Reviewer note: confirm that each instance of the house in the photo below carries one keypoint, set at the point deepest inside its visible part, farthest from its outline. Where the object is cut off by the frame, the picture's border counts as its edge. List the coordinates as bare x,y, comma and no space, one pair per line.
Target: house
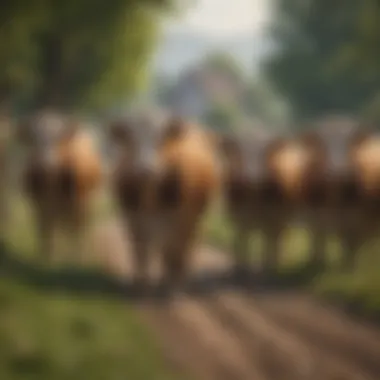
200,87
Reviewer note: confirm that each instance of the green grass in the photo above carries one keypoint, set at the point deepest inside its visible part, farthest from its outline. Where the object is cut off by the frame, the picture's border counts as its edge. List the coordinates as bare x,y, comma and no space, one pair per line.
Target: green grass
74,331
360,290
64,337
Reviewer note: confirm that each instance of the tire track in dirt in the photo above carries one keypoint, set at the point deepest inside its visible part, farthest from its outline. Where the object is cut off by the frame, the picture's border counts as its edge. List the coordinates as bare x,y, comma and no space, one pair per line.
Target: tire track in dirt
299,358
210,342
179,346
325,328
276,355
230,335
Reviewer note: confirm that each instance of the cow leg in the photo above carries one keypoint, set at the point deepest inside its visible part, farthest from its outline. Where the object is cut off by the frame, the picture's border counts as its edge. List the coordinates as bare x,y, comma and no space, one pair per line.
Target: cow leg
176,261
140,256
272,239
174,266
140,264
318,245
45,224
176,253
351,242
74,222
241,252
79,239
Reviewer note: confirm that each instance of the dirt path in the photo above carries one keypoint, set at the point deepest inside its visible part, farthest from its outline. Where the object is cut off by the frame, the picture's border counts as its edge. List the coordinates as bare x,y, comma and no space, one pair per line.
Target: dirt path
231,335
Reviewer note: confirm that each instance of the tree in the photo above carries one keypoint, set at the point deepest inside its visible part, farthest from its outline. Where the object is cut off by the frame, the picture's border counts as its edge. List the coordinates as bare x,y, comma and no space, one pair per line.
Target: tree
19,20
363,50
76,54
125,60
371,111
309,68
93,51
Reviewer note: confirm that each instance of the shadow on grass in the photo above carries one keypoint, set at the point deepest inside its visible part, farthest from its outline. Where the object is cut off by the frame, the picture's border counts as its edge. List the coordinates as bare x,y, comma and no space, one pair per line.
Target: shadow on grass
79,281
72,280
354,305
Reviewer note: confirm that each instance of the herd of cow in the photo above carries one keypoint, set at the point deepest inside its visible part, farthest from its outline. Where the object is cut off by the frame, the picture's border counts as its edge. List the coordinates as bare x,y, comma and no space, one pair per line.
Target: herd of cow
167,171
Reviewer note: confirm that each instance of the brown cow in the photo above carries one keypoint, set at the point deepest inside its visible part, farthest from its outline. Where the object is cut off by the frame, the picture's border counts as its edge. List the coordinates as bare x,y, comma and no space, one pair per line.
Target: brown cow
164,179
256,195
61,174
334,185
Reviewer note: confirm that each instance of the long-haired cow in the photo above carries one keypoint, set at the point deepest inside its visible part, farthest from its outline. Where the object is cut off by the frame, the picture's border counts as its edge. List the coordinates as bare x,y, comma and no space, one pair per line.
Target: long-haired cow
256,191
164,179
340,185
62,172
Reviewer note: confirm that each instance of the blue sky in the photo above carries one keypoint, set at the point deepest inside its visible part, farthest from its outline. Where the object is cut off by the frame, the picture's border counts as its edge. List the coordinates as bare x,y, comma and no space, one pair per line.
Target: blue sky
224,17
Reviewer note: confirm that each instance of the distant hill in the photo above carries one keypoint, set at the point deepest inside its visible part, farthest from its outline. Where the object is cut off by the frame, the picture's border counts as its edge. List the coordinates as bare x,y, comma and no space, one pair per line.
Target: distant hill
179,50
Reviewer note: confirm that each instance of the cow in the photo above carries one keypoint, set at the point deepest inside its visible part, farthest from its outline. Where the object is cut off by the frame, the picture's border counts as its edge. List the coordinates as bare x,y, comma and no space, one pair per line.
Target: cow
61,175
338,184
257,195
165,177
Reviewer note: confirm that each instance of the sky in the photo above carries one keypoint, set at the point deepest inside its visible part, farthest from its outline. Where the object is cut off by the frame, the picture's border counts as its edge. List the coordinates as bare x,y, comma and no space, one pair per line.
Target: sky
224,17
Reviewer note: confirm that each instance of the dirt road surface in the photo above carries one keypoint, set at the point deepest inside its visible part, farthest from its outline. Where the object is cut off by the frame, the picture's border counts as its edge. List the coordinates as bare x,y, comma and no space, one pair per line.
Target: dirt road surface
235,335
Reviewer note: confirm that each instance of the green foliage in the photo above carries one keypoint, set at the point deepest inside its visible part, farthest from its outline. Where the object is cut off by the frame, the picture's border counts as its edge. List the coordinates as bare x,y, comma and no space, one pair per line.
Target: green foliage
77,53
127,58
371,111
103,51
326,59
58,337
363,51
19,20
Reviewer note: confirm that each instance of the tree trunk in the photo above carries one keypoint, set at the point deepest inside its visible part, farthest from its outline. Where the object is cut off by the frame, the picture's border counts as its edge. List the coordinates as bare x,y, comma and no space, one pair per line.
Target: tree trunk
51,90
